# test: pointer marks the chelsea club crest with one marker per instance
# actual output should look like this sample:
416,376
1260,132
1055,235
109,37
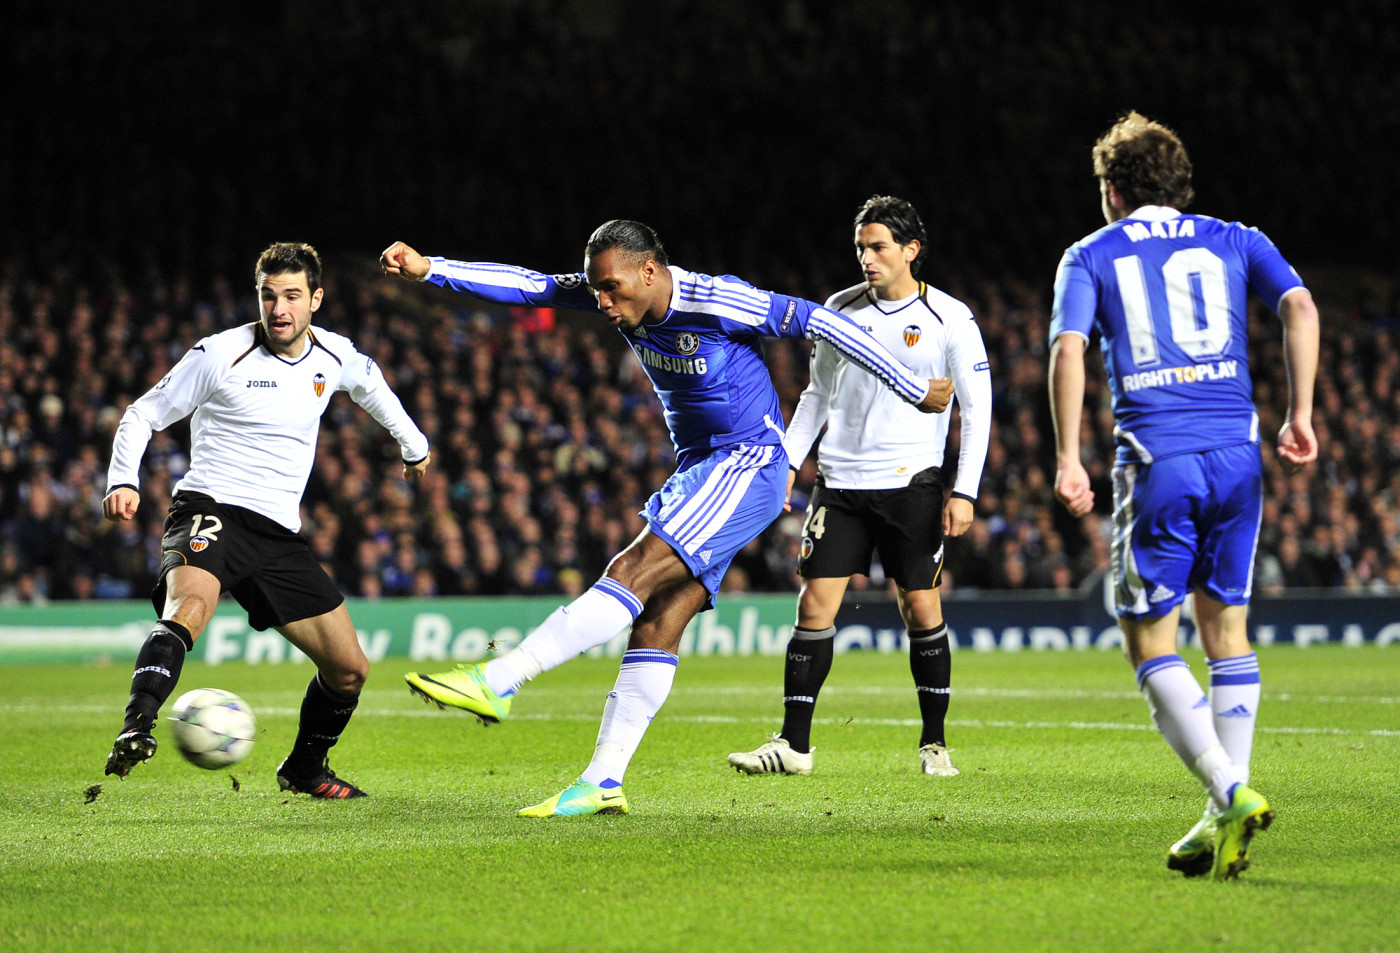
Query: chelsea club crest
687,342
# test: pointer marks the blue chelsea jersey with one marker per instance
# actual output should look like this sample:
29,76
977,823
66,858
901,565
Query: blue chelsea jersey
1169,292
705,358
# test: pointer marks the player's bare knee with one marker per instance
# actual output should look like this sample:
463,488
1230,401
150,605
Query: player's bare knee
191,611
347,680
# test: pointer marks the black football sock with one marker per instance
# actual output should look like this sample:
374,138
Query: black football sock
158,667
808,664
324,715
931,662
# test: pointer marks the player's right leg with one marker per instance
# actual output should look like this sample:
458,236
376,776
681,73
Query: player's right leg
189,597
485,690
836,542
806,666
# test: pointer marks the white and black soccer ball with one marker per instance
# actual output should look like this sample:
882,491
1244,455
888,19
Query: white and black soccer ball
213,728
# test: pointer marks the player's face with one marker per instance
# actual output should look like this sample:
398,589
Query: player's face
624,285
884,260
287,306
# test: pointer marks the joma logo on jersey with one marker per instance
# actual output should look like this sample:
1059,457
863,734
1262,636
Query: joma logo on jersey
912,333
262,383
319,383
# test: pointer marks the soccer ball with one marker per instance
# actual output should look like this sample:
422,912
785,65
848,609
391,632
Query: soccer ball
213,728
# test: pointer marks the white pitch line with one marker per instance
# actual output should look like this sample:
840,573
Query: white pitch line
429,712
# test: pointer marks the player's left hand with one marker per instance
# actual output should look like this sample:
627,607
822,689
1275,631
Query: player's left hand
1072,488
1297,445
957,516
416,470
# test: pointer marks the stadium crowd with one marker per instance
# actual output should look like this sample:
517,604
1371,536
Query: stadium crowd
546,436
547,440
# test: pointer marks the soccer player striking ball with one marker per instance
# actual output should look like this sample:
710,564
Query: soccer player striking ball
1168,292
880,484
699,340
257,393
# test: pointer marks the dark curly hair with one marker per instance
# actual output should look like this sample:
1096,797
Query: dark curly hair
1145,162
900,218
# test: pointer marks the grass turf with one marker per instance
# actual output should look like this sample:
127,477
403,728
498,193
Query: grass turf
1053,837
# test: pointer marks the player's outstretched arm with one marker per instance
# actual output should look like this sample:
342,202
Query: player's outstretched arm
1297,444
1066,409
401,259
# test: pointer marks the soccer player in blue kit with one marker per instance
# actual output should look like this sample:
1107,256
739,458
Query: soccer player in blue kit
1168,291
699,340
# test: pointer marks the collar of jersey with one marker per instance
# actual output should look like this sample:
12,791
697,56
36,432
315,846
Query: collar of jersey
903,302
1154,213
676,275
262,340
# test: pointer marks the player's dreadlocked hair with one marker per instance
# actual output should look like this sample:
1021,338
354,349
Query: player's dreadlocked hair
632,237
288,258
1145,162
900,218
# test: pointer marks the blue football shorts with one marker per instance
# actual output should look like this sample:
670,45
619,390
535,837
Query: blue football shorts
713,509
1182,523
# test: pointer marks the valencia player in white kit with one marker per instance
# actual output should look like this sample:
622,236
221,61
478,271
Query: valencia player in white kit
257,393
880,484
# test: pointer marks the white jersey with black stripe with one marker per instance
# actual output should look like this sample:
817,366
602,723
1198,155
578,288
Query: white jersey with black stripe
256,417
874,440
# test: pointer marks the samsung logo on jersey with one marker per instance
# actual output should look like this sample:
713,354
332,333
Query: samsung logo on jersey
1171,228
672,365
262,383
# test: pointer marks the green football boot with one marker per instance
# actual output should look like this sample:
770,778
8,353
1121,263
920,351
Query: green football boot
1194,854
579,798
1247,814
464,687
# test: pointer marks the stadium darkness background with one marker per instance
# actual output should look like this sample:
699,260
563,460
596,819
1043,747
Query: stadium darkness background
746,133
151,151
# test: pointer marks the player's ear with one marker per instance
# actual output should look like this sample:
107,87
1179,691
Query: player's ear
316,297
911,250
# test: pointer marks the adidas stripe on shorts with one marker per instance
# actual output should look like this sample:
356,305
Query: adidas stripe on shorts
713,509
1185,522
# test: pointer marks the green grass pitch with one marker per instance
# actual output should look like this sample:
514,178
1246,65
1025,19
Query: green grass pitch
1053,838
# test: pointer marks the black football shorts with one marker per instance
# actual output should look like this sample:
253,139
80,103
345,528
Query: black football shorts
905,525
270,570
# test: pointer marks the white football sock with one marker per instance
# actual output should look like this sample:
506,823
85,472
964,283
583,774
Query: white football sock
1183,716
1234,700
591,619
642,685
